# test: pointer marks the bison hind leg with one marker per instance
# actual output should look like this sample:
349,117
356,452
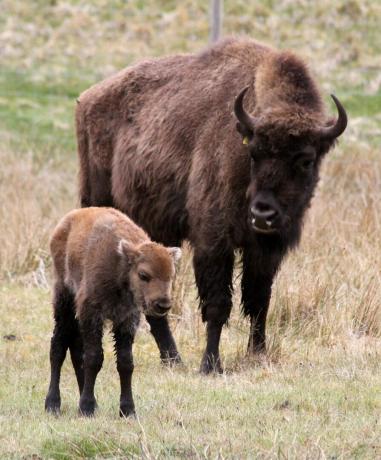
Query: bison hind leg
95,189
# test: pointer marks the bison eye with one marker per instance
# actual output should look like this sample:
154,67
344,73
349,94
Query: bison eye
305,164
144,277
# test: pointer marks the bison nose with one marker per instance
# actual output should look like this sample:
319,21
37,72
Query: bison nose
264,213
263,210
162,305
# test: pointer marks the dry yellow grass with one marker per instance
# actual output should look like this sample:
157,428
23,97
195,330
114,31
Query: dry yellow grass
33,198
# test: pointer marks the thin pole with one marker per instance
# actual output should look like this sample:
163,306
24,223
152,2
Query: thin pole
216,12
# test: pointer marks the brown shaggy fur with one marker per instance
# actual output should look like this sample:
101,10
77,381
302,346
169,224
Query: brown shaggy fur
158,140
106,268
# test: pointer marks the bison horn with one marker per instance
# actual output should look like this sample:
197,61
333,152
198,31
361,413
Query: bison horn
338,128
246,120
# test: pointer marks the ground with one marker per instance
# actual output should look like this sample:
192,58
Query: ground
317,393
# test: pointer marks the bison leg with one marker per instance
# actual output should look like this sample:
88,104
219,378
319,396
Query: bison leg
214,283
63,304
164,339
91,332
125,365
76,353
98,191
256,293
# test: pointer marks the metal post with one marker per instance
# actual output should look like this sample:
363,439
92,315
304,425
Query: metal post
216,12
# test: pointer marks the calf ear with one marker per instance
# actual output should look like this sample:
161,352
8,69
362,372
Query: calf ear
175,254
127,250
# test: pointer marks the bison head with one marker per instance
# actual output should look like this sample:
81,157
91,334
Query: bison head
284,169
149,269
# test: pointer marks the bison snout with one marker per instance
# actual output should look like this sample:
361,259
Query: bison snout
265,214
161,306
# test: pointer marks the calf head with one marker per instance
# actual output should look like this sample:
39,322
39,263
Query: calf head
148,270
284,169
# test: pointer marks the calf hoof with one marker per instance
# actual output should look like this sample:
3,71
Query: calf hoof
127,410
210,365
53,405
87,407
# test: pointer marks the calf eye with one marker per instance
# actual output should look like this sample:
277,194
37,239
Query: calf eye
144,277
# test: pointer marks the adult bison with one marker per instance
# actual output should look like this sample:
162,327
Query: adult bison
169,142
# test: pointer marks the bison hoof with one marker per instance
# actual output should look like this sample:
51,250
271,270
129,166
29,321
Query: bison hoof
127,410
211,365
87,407
171,359
256,348
53,404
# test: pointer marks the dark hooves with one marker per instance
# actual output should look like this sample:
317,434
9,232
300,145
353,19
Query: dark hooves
210,365
83,412
53,405
87,407
127,411
171,359
256,351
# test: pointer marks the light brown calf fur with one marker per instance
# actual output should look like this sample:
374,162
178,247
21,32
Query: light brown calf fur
106,267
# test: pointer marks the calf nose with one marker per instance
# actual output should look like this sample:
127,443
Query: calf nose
162,305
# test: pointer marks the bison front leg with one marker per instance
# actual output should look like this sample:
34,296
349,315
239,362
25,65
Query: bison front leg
256,294
213,274
164,339
125,365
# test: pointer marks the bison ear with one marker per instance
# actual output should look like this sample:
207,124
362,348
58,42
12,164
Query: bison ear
247,134
127,250
175,254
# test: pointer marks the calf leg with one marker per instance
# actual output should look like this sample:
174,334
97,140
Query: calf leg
76,353
124,361
63,304
214,281
256,293
164,339
91,331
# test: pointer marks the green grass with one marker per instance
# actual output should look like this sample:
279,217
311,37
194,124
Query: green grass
38,115
363,105
320,401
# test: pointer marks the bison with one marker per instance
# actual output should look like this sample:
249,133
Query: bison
106,267
221,148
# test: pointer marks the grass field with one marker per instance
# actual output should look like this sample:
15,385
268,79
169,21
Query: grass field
318,393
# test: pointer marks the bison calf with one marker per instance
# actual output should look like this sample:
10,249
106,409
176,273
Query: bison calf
106,267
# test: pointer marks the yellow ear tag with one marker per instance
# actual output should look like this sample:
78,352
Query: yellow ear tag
245,140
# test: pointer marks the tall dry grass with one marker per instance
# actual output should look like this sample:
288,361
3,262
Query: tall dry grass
328,290
33,197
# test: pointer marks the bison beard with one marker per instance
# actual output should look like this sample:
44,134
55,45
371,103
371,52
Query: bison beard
161,142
